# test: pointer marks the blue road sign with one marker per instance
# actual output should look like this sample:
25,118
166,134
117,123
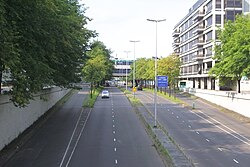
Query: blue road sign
162,81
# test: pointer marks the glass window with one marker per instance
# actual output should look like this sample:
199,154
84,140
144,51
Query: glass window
229,3
217,19
209,6
209,21
209,36
218,4
209,51
230,15
238,3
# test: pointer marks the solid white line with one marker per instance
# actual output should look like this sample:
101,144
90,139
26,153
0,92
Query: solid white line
78,139
235,161
222,128
71,138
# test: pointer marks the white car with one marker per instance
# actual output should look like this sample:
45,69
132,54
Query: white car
105,94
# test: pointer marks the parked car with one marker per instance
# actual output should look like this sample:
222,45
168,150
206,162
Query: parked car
139,87
105,94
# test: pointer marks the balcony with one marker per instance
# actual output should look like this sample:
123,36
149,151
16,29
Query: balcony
176,33
199,43
199,57
199,29
198,15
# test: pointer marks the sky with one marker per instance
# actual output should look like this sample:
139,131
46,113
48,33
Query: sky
119,21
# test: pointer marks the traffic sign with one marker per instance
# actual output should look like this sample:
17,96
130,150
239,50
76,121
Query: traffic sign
162,81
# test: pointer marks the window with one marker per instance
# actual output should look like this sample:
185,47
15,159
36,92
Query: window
218,4
217,19
209,36
238,3
233,3
209,21
230,15
209,51
209,6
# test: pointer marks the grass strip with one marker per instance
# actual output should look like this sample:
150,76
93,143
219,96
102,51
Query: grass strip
90,102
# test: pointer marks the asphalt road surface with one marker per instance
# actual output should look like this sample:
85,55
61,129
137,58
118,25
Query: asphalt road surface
208,137
108,135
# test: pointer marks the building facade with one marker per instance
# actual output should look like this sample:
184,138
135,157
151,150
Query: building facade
121,68
194,37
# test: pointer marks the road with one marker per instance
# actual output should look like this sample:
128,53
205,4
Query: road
108,135
208,137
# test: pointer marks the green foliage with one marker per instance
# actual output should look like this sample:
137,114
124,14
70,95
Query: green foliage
98,66
42,43
90,101
233,52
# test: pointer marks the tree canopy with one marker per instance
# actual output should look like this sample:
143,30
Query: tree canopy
41,43
232,54
98,66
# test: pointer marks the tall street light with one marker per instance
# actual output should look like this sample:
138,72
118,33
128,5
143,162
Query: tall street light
155,91
134,68
127,70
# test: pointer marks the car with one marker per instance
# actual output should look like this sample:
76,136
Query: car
105,94
139,87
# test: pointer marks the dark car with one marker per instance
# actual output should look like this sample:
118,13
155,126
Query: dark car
139,87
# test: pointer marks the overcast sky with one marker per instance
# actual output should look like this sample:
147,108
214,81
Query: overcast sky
119,21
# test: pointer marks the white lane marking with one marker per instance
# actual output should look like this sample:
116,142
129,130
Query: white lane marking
114,139
113,126
222,128
207,140
172,113
115,149
113,116
220,149
183,121
197,132
168,110
78,139
116,162
113,132
71,138
113,120
189,126
177,117
236,161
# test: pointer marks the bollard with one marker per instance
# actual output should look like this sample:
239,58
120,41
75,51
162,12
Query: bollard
193,106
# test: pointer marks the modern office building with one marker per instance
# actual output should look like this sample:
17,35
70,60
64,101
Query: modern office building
194,37
122,67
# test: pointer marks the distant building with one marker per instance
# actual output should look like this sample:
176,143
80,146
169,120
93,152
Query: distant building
121,66
194,38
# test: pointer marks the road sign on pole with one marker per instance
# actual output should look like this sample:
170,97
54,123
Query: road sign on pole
162,81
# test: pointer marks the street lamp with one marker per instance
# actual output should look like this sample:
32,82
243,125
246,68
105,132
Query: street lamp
155,91
134,67
127,70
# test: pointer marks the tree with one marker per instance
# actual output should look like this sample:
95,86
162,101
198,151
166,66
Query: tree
232,54
98,66
170,66
42,43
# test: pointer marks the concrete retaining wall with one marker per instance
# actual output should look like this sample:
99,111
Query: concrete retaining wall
14,120
238,102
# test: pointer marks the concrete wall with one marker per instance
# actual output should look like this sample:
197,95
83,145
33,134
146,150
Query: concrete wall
238,102
14,120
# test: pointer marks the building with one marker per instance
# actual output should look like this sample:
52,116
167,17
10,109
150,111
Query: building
122,67
194,37
246,6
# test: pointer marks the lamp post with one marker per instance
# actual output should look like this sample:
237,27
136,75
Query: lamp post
155,88
134,67
127,70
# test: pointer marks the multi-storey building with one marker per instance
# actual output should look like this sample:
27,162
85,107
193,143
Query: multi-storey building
195,36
